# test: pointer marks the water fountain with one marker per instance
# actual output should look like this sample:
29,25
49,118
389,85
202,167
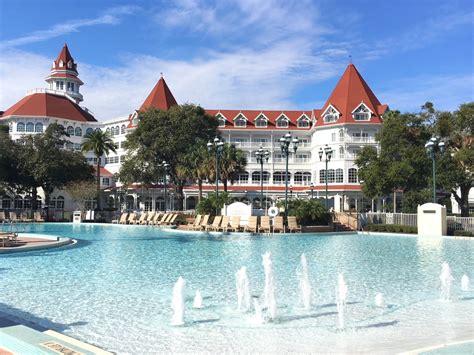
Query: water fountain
341,296
269,289
258,318
197,303
378,299
446,280
177,304
305,286
465,283
243,289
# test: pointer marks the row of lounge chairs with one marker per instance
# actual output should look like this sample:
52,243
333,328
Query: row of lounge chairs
147,218
232,224
8,238
22,218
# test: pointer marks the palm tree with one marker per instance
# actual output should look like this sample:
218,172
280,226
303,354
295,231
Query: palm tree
231,163
99,143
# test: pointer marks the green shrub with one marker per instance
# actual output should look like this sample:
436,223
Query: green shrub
461,233
308,212
210,204
390,228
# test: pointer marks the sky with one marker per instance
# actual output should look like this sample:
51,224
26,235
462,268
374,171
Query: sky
245,54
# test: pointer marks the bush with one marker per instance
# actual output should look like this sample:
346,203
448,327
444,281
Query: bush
210,204
460,233
308,212
390,228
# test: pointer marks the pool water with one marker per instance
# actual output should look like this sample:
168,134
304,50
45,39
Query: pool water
114,289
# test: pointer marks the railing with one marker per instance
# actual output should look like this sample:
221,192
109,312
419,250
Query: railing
347,219
460,223
405,219
360,140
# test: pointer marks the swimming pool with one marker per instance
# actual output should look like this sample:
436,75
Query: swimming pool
114,290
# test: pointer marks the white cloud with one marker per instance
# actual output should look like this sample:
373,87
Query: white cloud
109,17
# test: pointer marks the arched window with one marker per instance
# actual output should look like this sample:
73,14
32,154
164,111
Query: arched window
70,130
122,129
243,178
302,178
322,176
148,201
256,177
282,122
20,127
39,127
30,127
339,175
279,177
331,176
69,145
18,203
111,131
107,130
352,176
261,122
78,132
89,131
117,130
341,152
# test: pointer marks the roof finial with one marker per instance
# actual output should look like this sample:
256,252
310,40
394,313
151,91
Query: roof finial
350,59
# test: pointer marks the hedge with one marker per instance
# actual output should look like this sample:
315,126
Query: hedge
460,233
391,228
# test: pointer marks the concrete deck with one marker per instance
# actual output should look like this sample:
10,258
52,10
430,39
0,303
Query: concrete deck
30,241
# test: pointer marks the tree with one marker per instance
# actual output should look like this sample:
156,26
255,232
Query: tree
231,163
167,135
211,204
80,191
100,143
9,174
308,212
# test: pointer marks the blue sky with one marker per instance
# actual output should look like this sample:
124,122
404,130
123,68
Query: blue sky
245,54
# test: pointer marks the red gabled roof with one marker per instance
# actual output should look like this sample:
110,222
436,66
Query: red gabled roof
103,171
50,105
349,93
160,97
271,115
66,57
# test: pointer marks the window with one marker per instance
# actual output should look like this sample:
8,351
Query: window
279,177
239,142
18,203
341,152
240,121
362,113
330,115
111,131
352,176
70,130
360,137
322,176
261,122
61,85
117,130
30,127
302,178
341,135
69,145
148,203
27,202
57,85
60,203
282,122
159,204
333,137
122,158
278,158
243,178
302,158
116,159
303,123
106,181
78,132
106,160
90,204
260,141
122,129
331,176
77,146
6,203
39,127
355,153
339,175
122,144
305,143
256,177
89,131
221,121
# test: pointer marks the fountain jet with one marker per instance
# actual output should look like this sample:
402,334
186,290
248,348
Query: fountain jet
465,283
341,296
258,318
269,289
177,303
379,299
197,300
305,286
446,280
243,290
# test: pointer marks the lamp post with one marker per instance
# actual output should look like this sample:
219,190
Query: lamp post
218,146
327,152
430,147
291,192
165,167
262,157
312,189
285,142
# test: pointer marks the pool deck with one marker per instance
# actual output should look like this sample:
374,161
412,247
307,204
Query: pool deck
30,242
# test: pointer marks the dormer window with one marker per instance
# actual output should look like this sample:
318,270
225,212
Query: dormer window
221,120
282,122
303,122
362,113
330,115
61,63
240,121
69,65
261,121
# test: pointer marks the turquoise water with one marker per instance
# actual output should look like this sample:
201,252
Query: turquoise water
114,290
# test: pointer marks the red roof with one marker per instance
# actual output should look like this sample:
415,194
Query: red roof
103,171
160,97
271,117
50,105
349,93
66,57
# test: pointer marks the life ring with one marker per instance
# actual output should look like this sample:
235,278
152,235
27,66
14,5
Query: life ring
273,211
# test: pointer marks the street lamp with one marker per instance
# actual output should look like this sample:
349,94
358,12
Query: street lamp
327,152
165,167
430,147
285,142
262,157
218,145
312,189
291,192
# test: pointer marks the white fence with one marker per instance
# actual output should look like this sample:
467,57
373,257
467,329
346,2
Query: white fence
460,223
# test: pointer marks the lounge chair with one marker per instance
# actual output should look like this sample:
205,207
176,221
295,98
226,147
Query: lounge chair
215,224
13,217
37,217
160,219
166,218
235,224
170,222
203,224
278,225
265,226
141,220
131,218
156,219
293,225
24,217
122,220
251,225
8,238
224,224
149,218
2,216
197,221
